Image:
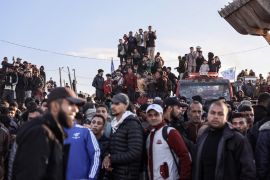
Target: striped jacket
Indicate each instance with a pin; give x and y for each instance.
(84, 153)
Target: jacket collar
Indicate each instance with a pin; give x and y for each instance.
(227, 134)
(157, 127)
(56, 128)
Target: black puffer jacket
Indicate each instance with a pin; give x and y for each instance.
(126, 148)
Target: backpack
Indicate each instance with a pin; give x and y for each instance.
(165, 137)
(189, 144)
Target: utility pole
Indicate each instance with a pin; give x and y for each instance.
(69, 78)
(60, 75)
(74, 81)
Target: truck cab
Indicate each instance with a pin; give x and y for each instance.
(208, 86)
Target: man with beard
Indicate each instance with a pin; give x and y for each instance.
(172, 115)
(126, 143)
(38, 152)
(222, 152)
(239, 122)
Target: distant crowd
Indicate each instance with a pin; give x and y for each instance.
(142, 74)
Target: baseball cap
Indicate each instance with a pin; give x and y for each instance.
(154, 107)
(120, 98)
(65, 93)
(171, 101)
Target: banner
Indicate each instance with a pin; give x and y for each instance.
(229, 73)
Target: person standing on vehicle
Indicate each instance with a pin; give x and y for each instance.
(191, 60)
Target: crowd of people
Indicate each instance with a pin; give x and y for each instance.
(142, 74)
(135, 128)
(70, 138)
(249, 86)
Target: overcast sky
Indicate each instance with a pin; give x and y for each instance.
(92, 29)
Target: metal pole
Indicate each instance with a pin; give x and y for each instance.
(69, 78)
(74, 81)
(60, 75)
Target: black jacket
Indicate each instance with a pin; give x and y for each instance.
(234, 157)
(182, 66)
(126, 148)
(11, 79)
(263, 152)
(39, 154)
(98, 82)
(37, 83)
(259, 113)
(253, 133)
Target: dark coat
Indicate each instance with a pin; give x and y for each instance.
(11, 79)
(213, 67)
(234, 157)
(253, 133)
(120, 48)
(199, 62)
(98, 82)
(37, 83)
(126, 147)
(262, 152)
(259, 113)
(151, 39)
(38, 152)
(182, 66)
(160, 85)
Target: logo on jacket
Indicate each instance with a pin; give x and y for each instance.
(76, 136)
(159, 141)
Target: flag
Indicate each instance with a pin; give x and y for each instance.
(229, 73)
(112, 66)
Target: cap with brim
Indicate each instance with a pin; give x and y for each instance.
(65, 93)
(120, 98)
(154, 107)
(77, 101)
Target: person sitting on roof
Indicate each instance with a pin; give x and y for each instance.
(204, 69)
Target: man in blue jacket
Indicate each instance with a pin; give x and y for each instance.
(84, 154)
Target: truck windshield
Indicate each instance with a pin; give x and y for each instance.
(207, 90)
